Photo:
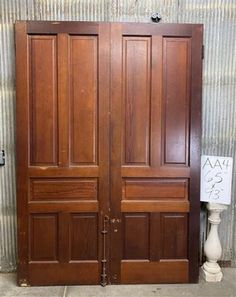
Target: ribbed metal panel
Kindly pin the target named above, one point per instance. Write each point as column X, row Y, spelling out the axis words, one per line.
column 140, row 11
column 7, row 173
column 219, row 90
column 219, row 86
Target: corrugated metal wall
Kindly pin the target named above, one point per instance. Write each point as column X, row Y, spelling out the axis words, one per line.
column 219, row 86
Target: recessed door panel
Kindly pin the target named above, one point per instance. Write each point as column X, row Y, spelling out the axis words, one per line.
column 136, row 247
column 174, row 236
column 155, row 189
column 42, row 189
column 44, row 245
column 84, row 237
column 176, row 93
column 43, row 100
column 136, row 88
column 84, row 99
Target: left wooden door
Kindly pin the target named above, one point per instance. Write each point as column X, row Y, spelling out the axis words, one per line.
column 62, row 151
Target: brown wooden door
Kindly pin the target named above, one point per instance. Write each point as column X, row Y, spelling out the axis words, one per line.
column 63, row 150
column 108, row 134
column 155, row 93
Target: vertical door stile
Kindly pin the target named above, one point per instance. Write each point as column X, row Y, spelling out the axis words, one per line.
column 63, row 135
column 195, row 147
column 104, row 151
column 116, row 148
column 22, row 124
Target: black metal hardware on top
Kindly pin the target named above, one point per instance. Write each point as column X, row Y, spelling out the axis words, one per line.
column 156, row 17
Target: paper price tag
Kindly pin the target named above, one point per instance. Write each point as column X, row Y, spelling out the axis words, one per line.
column 216, row 178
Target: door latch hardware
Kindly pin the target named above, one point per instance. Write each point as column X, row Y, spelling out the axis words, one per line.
column 113, row 221
column 104, row 260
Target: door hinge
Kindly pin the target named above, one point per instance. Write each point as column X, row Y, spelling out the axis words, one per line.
column 104, row 260
column 203, row 52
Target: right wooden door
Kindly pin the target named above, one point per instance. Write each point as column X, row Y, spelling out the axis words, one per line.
column 155, row 152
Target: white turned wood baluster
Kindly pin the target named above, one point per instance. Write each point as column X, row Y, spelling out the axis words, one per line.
column 211, row 270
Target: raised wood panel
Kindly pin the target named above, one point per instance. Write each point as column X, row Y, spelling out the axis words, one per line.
column 43, row 100
column 63, row 189
column 136, row 236
column 153, row 272
column 84, row 237
column 136, row 92
column 154, row 189
column 43, row 237
column 176, row 96
column 174, row 236
column 84, row 99
column 64, row 273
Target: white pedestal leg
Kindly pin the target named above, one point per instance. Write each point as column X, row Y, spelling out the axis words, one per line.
column 211, row 270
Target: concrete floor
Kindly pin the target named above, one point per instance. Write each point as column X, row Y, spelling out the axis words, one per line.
column 225, row 288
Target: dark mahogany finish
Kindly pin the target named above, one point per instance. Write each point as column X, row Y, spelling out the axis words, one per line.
column 108, row 126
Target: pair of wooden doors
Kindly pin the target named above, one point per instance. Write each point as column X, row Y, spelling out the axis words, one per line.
column 108, row 152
